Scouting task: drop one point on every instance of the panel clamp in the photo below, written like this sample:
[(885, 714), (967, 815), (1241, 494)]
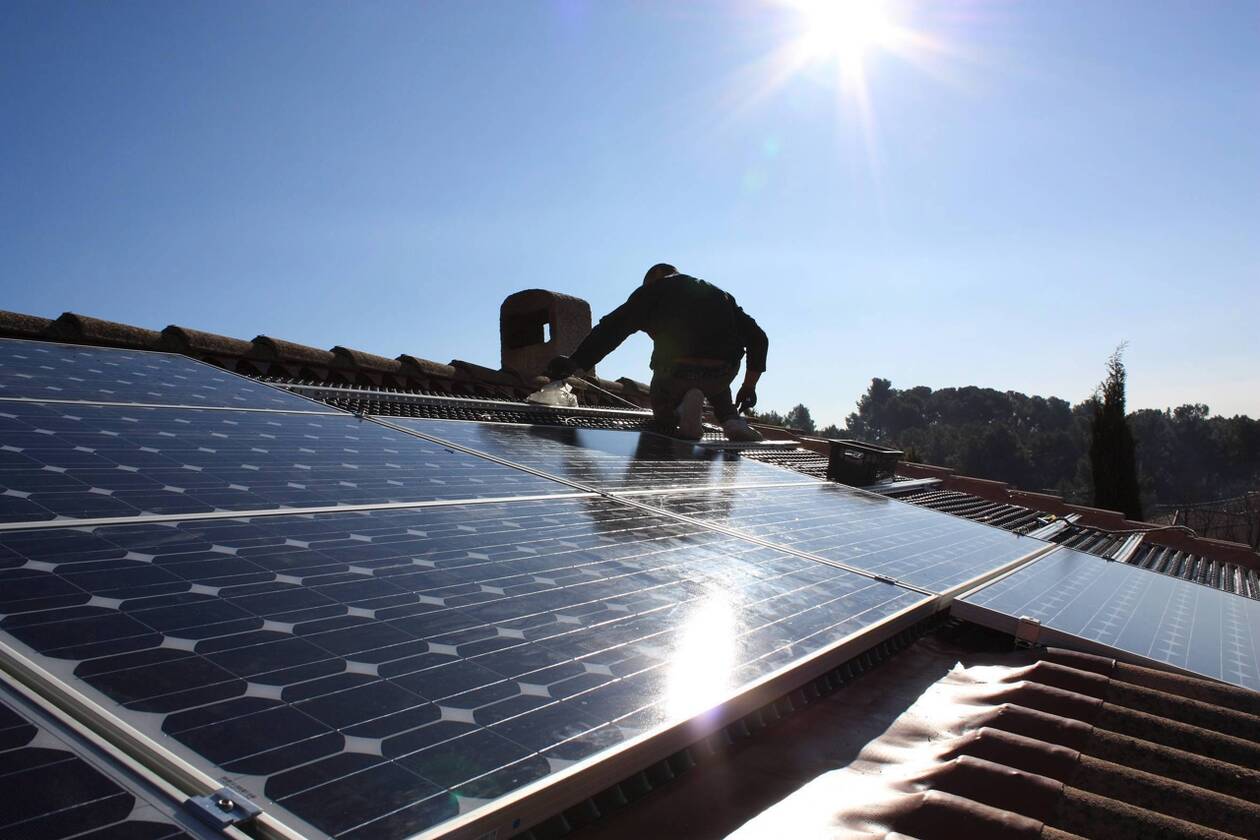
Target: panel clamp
[(223, 808), (1027, 631)]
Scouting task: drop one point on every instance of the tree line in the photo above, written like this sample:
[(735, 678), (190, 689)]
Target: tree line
[(1184, 455)]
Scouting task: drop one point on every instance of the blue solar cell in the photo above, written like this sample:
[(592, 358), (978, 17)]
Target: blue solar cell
[(605, 459), (42, 370), (89, 461), (863, 530), (368, 671), (1194, 627), (51, 790)]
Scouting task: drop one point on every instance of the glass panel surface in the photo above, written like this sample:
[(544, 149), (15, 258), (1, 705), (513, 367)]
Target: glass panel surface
[(1189, 625), (43, 370), (870, 532), (605, 459), (376, 673), (88, 461), (51, 791)]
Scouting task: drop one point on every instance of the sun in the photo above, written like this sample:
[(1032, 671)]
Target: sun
[(845, 30)]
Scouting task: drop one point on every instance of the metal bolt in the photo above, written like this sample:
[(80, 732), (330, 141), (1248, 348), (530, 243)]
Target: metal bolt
[(225, 804)]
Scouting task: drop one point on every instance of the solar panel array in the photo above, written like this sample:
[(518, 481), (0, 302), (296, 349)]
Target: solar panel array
[(861, 530), (1179, 622), (375, 625), (63, 461), (606, 460)]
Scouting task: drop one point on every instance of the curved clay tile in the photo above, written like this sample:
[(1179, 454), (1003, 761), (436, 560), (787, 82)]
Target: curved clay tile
[(185, 340), (17, 325), (425, 369), (289, 352), (84, 329), (484, 375), (347, 358)]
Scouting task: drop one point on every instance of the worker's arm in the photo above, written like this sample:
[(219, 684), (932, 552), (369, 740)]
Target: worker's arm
[(757, 345), (616, 327), (754, 340)]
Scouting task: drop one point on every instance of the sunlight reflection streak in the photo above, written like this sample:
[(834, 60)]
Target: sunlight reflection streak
[(703, 658)]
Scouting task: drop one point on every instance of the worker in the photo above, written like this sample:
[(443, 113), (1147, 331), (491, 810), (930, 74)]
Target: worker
[(699, 335)]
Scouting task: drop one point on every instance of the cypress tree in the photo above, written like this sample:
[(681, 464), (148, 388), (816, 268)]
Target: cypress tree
[(1112, 453)]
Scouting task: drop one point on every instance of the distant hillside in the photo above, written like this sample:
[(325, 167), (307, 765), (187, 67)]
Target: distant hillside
[(1185, 456)]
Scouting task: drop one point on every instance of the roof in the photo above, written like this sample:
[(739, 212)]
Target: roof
[(1042, 742), (959, 736), (277, 360)]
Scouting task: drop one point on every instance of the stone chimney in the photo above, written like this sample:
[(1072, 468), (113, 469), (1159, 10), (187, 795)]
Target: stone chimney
[(536, 325)]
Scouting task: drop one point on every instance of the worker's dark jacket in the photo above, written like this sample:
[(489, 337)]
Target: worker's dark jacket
[(688, 320)]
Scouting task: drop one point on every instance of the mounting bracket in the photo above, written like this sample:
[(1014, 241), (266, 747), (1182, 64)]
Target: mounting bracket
[(223, 808), (1027, 632)]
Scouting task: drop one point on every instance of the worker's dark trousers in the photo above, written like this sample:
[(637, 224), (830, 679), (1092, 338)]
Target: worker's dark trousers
[(668, 390)]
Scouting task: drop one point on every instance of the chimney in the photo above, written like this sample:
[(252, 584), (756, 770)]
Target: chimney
[(536, 325)]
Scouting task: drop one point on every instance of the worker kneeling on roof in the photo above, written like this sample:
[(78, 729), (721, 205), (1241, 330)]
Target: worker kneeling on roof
[(699, 334)]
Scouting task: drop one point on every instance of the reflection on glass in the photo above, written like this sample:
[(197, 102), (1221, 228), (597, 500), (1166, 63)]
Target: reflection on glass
[(703, 658)]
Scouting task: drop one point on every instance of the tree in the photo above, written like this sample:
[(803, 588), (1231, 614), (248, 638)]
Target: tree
[(798, 418), (1112, 452), (770, 418)]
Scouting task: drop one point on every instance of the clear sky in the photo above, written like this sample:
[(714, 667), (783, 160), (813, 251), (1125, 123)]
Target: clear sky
[(983, 192)]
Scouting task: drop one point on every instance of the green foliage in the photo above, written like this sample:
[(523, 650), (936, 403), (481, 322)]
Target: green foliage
[(1042, 443), (1112, 452), (798, 418)]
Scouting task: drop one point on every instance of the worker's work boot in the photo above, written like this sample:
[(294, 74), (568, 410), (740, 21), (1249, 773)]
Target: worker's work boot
[(738, 430), (690, 415)]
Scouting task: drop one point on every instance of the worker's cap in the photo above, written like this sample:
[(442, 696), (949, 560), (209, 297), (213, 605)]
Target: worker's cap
[(658, 271)]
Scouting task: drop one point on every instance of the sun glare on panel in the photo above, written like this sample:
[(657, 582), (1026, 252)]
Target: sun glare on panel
[(703, 659)]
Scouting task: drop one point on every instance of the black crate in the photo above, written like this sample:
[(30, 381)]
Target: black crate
[(859, 463)]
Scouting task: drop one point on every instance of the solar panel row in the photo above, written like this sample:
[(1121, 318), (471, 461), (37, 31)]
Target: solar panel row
[(603, 459), (39, 370), (61, 461), (1179, 622), (374, 673)]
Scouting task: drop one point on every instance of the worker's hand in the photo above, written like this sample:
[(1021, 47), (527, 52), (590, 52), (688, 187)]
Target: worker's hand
[(561, 367), (746, 398)]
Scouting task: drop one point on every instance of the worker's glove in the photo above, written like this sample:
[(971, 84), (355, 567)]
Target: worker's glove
[(561, 367), (745, 399)]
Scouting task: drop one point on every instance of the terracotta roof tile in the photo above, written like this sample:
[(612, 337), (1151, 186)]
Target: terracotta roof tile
[(477, 373), (345, 357), (1013, 739), (192, 342), (289, 352), (84, 329), (17, 325), (425, 369)]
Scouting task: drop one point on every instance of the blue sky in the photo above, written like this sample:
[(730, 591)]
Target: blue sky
[(1040, 183)]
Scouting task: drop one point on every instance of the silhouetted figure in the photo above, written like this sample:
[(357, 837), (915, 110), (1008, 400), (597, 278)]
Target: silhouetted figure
[(699, 336)]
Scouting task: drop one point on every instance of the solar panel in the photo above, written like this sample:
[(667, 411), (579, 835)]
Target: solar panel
[(376, 673), (90, 461), (862, 530), (52, 789), (605, 459), (41, 370), (1166, 619)]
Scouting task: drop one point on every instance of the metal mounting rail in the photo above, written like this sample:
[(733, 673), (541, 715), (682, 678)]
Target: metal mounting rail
[(459, 402)]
